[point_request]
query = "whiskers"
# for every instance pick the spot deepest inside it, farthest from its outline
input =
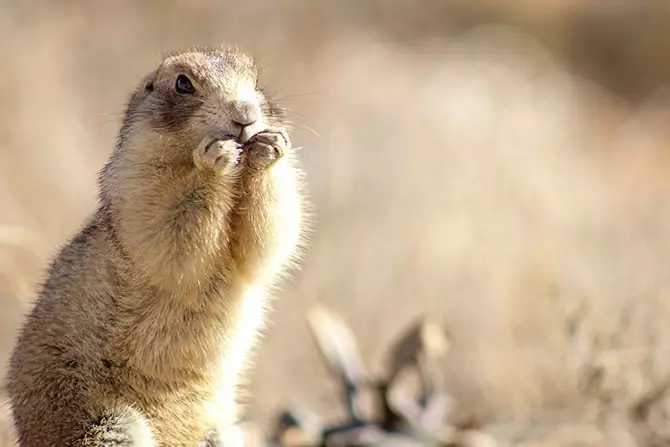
(104, 119)
(300, 121)
(295, 120)
(293, 97)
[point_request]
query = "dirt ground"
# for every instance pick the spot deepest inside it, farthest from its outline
(505, 168)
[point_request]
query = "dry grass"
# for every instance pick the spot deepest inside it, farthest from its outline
(474, 177)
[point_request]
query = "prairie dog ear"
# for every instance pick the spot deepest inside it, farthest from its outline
(144, 89)
(148, 82)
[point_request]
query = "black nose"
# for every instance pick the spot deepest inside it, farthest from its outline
(244, 113)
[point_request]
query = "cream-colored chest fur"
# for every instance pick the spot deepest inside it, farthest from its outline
(187, 354)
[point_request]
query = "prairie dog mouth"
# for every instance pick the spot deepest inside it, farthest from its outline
(250, 130)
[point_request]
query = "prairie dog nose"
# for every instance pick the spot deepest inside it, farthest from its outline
(244, 113)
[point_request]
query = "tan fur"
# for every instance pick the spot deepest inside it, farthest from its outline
(144, 326)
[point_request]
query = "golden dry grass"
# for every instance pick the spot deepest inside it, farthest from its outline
(468, 172)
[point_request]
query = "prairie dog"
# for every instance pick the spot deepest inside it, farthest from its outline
(143, 327)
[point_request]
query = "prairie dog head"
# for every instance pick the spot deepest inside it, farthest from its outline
(195, 94)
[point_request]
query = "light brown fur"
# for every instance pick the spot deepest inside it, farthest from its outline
(142, 330)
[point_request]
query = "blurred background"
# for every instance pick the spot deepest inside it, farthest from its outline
(502, 166)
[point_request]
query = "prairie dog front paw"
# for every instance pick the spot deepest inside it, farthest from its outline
(218, 155)
(266, 148)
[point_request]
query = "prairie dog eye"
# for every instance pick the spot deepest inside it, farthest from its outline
(184, 86)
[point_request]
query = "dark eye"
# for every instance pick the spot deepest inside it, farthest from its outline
(184, 85)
